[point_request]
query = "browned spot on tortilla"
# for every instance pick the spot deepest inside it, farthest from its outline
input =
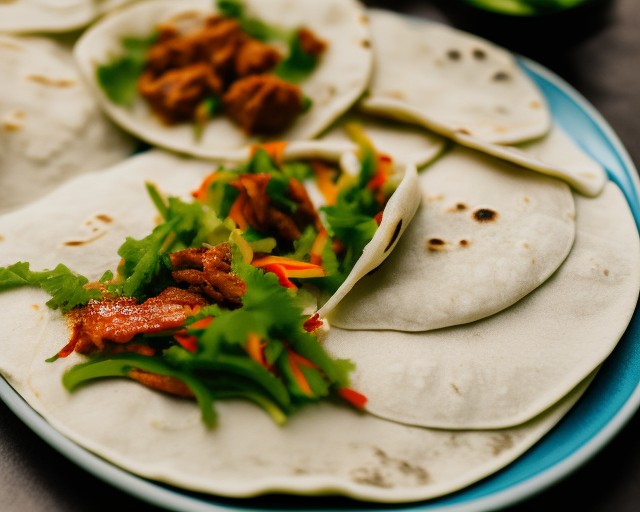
(464, 131)
(525, 245)
(104, 218)
(526, 199)
(9, 126)
(464, 243)
(394, 237)
(587, 174)
(456, 389)
(51, 82)
(606, 272)
(19, 114)
(2, 239)
(364, 18)
(420, 474)
(485, 215)
(454, 54)
(365, 43)
(501, 76)
(500, 442)
(436, 244)
(458, 207)
(479, 54)
(535, 104)
(438, 197)
(533, 261)
(35, 307)
(76, 243)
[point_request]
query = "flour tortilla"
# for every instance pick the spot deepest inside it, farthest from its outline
(478, 268)
(338, 81)
(450, 81)
(554, 154)
(504, 370)
(52, 128)
(323, 449)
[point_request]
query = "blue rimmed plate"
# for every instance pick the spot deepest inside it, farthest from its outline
(610, 401)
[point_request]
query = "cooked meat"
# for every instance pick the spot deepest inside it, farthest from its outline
(263, 104)
(207, 271)
(119, 320)
(306, 212)
(310, 43)
(254, 57)
(176, 94)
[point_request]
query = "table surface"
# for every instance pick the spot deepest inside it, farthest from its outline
(605, 69)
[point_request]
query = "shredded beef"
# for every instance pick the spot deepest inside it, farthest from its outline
(263, 104)
(310, 43)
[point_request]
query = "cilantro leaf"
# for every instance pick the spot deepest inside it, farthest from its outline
(65, 287)
(118, 78)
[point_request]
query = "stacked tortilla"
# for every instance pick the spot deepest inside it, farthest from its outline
(513, 282)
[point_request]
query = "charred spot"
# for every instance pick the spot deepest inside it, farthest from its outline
(485, 215)
(394, 237)
(501, 76)
(479, 54)
(535, 104)
(454, 54)
(104, 218)
(436, 241)
(436, 244)
(464, 243)
(606, 272)
(460, 207)
(464, 131)
(365, 43)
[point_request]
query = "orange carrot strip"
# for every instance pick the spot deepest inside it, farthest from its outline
(274, 149)
(186, 341)
(315, 255)
(281, 272)
(255, 348)
(324, 177)
(235, 213)
(200, 193)
(353, 397)
(285, 262)
(301, 380)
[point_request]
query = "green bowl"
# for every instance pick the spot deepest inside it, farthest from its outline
(531, 32)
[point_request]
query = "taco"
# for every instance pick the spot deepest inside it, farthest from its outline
(180, 75)
(52, 128)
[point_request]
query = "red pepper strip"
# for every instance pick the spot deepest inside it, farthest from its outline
(281, 272)
(295, 361)
(353, 397)
(312, 323)
(255, 348)
(189, 341)
(73, 341)
(378, 217)
(315, 254)
(274, 149)
(383, 171)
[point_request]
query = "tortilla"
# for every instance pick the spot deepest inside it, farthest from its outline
(339, 79)
(19, 16)
(484, 225)
(52, 127)
(555, 155)
(450, 81)
(504, 370)
(246, 454)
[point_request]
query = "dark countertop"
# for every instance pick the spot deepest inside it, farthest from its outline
(605, 69)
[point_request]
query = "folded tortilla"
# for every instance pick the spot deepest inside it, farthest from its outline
(487, 234)
(52, 128)
(340, 78)
(473, 92)
(506, 369)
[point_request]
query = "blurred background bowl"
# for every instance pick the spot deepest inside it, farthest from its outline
(534, 31)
